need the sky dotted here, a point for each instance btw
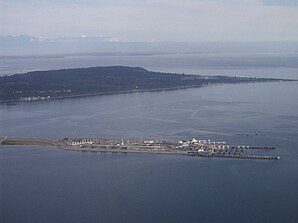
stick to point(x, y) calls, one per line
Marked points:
point(153, 20)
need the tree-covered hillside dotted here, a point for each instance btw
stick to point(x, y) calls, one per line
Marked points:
point(43, 85)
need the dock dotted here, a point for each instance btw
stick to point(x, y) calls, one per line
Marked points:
point(237, 156)
point(194, 147)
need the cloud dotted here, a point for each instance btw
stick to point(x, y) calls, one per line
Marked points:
point(158, 20)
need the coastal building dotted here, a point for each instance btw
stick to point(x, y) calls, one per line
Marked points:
point(81, 142)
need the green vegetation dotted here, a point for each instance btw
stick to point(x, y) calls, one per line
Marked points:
point(53, 84)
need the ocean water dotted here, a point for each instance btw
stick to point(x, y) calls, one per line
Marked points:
point(263, 63)
point(50, 185)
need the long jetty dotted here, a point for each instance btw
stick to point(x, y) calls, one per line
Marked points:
point(237, 156)
point(194, 147)
point(251, 147)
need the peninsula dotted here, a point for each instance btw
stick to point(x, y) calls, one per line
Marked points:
point(193, 147)
point(67, 83)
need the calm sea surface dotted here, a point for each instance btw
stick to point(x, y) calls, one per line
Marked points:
point(280, 64)
point(49, 185)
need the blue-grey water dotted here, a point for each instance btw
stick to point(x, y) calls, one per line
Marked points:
point(50, 185)
point(279, 64)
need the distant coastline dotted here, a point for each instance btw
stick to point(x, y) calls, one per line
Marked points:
point(93, 81)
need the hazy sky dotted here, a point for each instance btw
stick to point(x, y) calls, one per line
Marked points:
point(153, 20)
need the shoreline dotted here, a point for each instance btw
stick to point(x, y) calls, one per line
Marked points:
point(141, 91)
point(201, 148)
point(106, 93)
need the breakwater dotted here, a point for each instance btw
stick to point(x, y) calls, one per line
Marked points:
point(194, 147)
point(237, 156)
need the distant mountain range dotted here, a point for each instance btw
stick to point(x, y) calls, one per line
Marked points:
point(55, 84)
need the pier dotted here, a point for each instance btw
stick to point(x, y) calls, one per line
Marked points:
point(237, 156)
point(194, 147)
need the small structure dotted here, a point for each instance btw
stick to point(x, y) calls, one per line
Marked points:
point(81, 142)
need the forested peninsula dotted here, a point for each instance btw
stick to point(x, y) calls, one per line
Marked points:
point(66, 83)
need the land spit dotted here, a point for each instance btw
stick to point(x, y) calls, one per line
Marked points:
point(194, 147)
